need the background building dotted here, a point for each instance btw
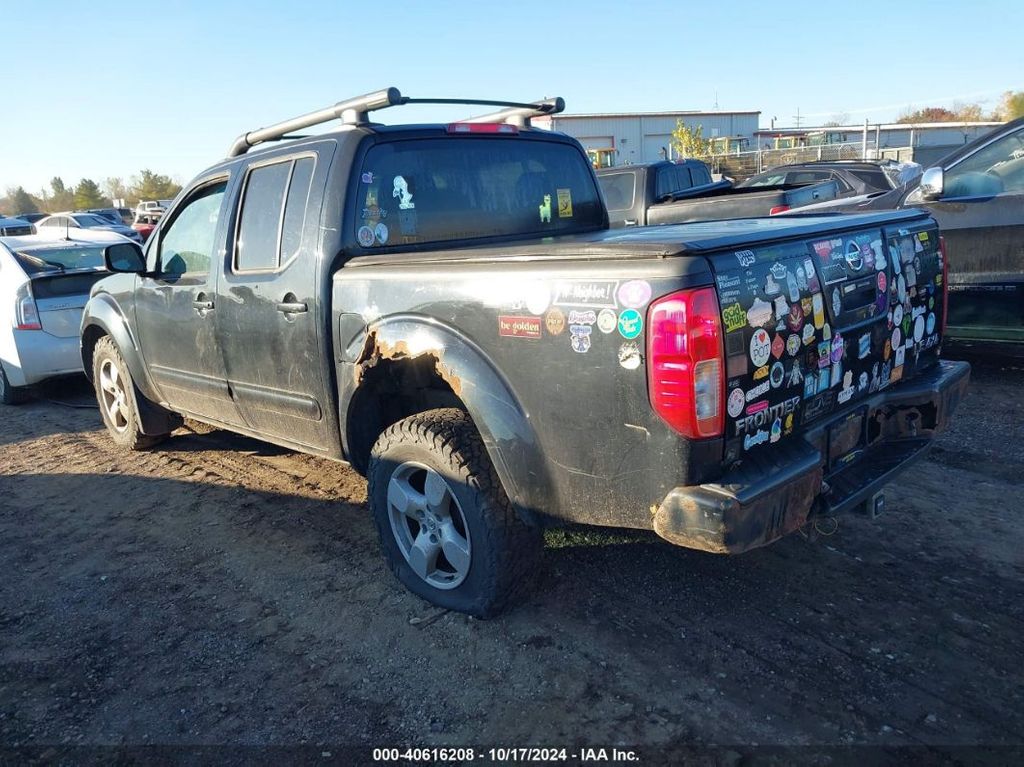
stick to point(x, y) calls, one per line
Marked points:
point(626, 139)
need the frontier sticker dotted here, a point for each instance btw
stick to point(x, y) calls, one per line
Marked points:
point(519, 327)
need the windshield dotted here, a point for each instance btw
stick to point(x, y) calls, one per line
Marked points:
point(765, 179)
point(43, 259)
point(91, 220)
point(443, 189)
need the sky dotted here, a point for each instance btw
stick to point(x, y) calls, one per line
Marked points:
point(102, 89)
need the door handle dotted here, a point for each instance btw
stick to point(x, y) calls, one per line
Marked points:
point(630, 222)
point(200, 304)
point(292, 307)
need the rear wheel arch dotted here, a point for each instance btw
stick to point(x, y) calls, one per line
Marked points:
point(387, 384)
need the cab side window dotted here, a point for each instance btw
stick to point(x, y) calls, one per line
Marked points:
point(996, 168)
point(273, 215)
point(187, 244)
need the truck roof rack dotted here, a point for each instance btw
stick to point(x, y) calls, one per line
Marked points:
point(354, 111)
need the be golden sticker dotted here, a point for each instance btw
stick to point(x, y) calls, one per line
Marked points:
point(519, 327)
point(565, 203)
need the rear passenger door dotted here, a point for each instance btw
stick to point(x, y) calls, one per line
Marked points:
point(269, 315)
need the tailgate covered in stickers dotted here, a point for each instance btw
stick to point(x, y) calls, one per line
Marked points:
point(815, 325)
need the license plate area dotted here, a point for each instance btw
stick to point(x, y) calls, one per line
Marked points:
point(847, 439)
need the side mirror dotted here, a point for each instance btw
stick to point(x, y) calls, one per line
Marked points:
point(124, 257)
point(932, 184)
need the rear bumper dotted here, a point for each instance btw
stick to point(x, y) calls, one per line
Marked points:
point(41, 355)
point(766, 498)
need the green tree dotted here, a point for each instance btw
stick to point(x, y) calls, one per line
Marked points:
point(690, 142)
point(116, 189)
point(152, 186)
point(88, 195)
point(62, 198)
point(1011, 106)
point(20, 201)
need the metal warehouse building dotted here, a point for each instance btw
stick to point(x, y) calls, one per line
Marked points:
point(626, 139)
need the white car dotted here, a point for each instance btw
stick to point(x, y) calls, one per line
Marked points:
point(44, 284)
point(62, 223)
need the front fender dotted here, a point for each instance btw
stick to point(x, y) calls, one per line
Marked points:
point(103, 316)
point(503, 424)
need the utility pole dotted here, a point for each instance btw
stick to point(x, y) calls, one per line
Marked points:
point(796, 118)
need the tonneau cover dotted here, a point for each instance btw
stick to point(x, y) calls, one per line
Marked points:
point(652, 242)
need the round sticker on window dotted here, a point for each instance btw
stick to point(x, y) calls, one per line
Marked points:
point(760, 347)
point(365, 236)
point(381, 233)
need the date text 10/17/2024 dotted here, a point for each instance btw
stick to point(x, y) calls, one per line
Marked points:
point(504, 754)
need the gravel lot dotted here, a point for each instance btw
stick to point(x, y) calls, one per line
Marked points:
point(221, 591)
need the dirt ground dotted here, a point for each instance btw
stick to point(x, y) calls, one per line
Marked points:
point(217, 590)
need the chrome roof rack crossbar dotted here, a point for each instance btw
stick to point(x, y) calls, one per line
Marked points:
point(354, 111)
point(520, 114)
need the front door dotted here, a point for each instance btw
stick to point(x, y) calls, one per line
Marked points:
point(268, 305)
point(981, 217)
point(176, 308)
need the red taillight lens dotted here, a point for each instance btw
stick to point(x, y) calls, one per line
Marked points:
point(483, 128)
point(945, 285)
point(685, 365)
point(778, 209)
point(26, 315)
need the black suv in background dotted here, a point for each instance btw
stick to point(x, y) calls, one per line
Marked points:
point(853, 176)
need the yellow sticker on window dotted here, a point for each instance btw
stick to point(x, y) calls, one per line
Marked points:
point(564, 203)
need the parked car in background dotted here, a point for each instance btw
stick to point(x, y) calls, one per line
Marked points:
point(853, 176)
point(121, 216)
point(976, 194)
point(11, 227)
point(31, 217)
point(679, 192)
point(65, 221)
point(151, 207)
point(145, 225)
point(44, 284)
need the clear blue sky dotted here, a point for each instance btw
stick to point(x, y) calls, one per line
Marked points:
point(104, 89)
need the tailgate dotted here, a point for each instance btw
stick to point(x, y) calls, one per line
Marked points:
point(813, 326)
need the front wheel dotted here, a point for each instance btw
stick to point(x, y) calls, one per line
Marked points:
point(447, 529)
point(117, 398)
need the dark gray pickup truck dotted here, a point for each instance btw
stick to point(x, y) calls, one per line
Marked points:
point(445, 308)
point(680, 192)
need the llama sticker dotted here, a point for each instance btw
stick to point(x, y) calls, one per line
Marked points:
point(545, 210)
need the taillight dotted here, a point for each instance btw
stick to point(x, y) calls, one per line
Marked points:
point(26, 315)
point(778, 209)
point(685, 365)
point(482, 128)
point(945, 285)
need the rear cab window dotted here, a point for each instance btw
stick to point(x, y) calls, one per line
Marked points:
point(619, 190)
point(459, 189)
point(273, 214)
